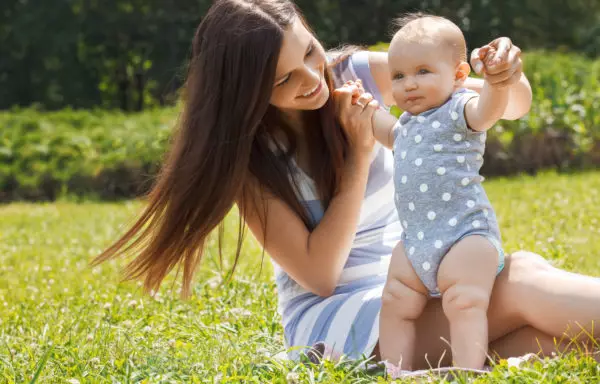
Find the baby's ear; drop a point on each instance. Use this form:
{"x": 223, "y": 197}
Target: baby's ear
{"x": 462, "y": 72}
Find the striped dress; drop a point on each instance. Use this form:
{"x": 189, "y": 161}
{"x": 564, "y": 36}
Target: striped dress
{"x": 348, "y": 320}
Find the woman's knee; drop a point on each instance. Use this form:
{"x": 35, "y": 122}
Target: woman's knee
{"x": 511, "y": 297}
{"x": 522, "y": 267}
{"x": 525, "y": 261}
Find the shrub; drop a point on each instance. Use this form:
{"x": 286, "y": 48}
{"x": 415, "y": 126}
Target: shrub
{"x": 111, "y": 155}
{"x": 106, "y": 154}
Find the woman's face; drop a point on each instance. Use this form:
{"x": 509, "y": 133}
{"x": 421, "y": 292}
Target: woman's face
{"x": 300, "y": 75}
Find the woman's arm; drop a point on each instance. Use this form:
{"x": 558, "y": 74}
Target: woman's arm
{"x": 313, "y": 259}
{"x": 378, "y": 63}
{"x": 519, "y": 96}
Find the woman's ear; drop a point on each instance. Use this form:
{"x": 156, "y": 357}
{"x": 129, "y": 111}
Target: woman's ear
{"x": 462, "y": 72}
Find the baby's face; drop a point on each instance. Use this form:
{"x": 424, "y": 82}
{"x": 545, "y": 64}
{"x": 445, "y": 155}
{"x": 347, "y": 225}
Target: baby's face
{"x": 423, "y": 75}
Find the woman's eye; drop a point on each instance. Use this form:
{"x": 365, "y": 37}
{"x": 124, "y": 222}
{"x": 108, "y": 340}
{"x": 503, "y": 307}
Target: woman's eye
{"x": 423, "y": 72}
{"x": 310, "y": 51}
{"x": 284, "y": 81}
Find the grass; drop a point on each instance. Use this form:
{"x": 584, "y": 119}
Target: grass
{"x": 66, "y": 322}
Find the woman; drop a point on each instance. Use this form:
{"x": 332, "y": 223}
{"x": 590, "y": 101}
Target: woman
{"x": 258, "y": 130}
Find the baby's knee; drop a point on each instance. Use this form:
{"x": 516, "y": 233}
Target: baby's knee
{"x": 401, "y": 300}
{"x": 461, "y": 299}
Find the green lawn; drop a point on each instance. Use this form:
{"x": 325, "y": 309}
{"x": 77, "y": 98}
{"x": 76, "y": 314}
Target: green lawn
{"x": 80, "y": 325}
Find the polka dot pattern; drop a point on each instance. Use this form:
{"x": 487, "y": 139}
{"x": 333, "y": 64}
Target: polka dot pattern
{"x": 437, "y": 172}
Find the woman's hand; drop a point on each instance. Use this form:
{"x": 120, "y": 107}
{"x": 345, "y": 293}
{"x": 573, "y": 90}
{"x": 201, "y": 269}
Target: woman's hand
{"x": 354, "y": 109}
{"x": 499, "y": 61}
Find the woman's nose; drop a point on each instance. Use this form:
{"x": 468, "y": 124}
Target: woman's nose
{"x": 313, "y": 74}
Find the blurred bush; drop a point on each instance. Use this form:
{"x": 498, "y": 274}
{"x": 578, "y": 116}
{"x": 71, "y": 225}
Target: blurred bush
{"x": 111, "y": 155}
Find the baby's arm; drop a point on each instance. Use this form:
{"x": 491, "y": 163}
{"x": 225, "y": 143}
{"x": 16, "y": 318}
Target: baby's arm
{"x": 483, "y": 111}
{"x": 383, "y": 127}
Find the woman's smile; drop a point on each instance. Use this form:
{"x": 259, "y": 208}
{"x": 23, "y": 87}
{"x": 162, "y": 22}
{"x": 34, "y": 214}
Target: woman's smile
{"x": 313, "y": 92}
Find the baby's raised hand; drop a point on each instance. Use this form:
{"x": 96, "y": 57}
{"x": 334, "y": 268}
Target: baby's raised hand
{"x": 499, "y": 62}
{"x": 487, "y": 54}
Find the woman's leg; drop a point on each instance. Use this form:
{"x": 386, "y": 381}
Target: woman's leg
{"x": 523, "y": 341}
{"x": 528, "y": 292}
{"x": 551, "y": 300}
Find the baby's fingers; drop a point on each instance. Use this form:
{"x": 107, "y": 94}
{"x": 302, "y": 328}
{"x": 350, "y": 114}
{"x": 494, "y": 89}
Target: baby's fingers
{"x": 476, "y": 62}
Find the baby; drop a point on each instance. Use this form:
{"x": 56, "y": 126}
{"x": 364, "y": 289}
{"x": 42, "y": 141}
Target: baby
{"x": 451, "y": 241}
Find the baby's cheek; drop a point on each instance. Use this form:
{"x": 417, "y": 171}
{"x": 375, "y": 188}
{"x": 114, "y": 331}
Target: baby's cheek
{"x": 397, "y": 94}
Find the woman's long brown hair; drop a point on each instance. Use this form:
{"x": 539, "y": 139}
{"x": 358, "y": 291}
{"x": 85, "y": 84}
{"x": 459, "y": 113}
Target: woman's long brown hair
{"x": 223, "y": 141}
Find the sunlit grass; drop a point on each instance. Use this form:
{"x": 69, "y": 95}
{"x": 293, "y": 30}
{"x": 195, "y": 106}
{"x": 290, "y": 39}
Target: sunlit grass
{"x": 93, "y": 329}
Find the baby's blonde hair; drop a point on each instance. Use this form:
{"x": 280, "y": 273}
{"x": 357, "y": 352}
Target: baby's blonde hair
{"x": 424, "y": 28}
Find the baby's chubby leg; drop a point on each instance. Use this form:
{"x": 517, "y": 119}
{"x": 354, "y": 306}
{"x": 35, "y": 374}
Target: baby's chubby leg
{"x": 403, "y": 300}
{"x": 465, "y": 278}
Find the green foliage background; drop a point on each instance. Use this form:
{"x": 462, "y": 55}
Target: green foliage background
{"x": 131, "y": 54}
{"x": 111, "y": 154}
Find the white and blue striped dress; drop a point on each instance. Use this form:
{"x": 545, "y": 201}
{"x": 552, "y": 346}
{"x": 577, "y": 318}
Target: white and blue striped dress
{"x": 348, "y": 320}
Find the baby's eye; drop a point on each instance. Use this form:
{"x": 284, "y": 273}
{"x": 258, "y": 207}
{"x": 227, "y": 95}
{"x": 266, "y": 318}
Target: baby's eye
{"x": 423, "y": 72}
{"x": 397, "y": 76}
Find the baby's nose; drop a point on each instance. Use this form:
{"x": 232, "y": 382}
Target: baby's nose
{"x": 410, "y": 83}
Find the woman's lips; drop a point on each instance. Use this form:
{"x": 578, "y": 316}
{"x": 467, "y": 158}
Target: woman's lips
{"x": 315, "y": 92}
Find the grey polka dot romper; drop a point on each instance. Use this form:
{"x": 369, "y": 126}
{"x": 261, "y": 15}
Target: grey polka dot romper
{"x": 439, "y": 196}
